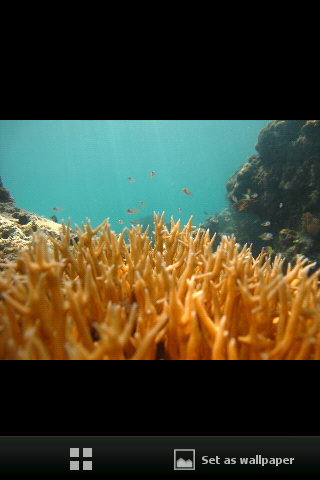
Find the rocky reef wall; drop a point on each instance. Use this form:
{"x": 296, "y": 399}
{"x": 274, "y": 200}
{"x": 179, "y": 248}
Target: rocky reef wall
{"x": 280, "y": 184}
{"x": 17, "y": 227}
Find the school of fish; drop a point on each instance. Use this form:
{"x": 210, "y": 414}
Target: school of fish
{"x": 248, "y": 195}
{"x": 143, "y": 204}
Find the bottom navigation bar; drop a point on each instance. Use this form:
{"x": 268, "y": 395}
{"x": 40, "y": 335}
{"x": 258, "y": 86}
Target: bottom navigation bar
{"x": 71, "y": 456}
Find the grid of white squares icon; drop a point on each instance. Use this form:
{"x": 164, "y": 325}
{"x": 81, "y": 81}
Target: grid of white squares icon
{"x": 86, "y": 464}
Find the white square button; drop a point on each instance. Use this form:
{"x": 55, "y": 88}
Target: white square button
{"x": 87, "y": 465}
{"x": 74, "y": 452}
{"x": 74, "y": 465}
{"x": 87, "y": 452}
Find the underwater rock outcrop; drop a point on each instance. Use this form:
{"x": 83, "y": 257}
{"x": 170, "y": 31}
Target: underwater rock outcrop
{"x": 5, "y": 196}
{"x": 17, "y": 227}
{"x": 281, "y": 184}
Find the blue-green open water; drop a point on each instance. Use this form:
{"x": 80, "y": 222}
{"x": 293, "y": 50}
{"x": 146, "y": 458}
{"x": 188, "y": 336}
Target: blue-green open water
{"x": 83, "y": 166}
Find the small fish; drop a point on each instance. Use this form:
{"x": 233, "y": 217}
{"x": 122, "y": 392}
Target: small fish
{"x": 57, "y": 209}
{"x": 134, "y": 223}
{"x": 186, "y": 191}
{"x": 179, "y": 210}
{"x": 130, "y": 180}
{"x": 269, "y": 250}
{"x": 266, "y": 236}
{"x": 214, "y": 220}
{"x": 206, "y": 213}
{"x": 54, "y": 218}
{"x": 234, "y": 198}
{"x": 133, "y": 210}
{"x": 151, "y": 174}
{"x": 120, "y": 221}
{"x": 280, "y": 205}
{"x": 246, "y": 196}
{"x": 143, "y": 204}
{"x": 227, "y": 219}
{"x": 266, "y": 224}
{"x": 254, "y": 195}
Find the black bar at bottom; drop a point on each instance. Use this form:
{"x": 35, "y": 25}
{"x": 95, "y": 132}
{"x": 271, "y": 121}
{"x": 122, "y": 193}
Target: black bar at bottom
{"x": 92, "y": 457}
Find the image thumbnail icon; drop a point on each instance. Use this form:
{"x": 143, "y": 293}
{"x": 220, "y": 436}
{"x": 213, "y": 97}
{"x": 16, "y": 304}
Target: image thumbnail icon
{"x": 184, "y": 459}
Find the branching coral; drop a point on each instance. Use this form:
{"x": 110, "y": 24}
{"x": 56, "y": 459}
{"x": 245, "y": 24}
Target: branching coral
{"x": 104, "y": 299}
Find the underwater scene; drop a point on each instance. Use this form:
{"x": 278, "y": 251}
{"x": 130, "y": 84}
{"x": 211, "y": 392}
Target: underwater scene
{"x": 100, "y": 169}
{"x": 159, "y": 239}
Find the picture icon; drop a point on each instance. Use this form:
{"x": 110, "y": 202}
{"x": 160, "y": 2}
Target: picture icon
{"x": 184, "y": 459}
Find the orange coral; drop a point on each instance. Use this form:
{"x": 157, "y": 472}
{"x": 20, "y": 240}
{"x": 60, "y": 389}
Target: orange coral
{"x": 245, "y": 204}
{"x": 103, "y": 299}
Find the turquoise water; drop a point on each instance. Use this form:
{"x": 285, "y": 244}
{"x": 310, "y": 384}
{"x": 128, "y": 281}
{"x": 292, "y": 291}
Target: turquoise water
{"x": 83, "y": 166}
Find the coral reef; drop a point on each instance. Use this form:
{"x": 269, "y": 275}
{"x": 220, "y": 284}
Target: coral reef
{"x": 17, "y": 227}
{"x": 103, "y": 299}
{"x": 4, "y": 194}
{"x": 246, "y": 204}
{"x": 310, "y": 224}
{"x": 281, "y": 184}
{"x": 228, "y": 222}
{"x": 184, "y": 293}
